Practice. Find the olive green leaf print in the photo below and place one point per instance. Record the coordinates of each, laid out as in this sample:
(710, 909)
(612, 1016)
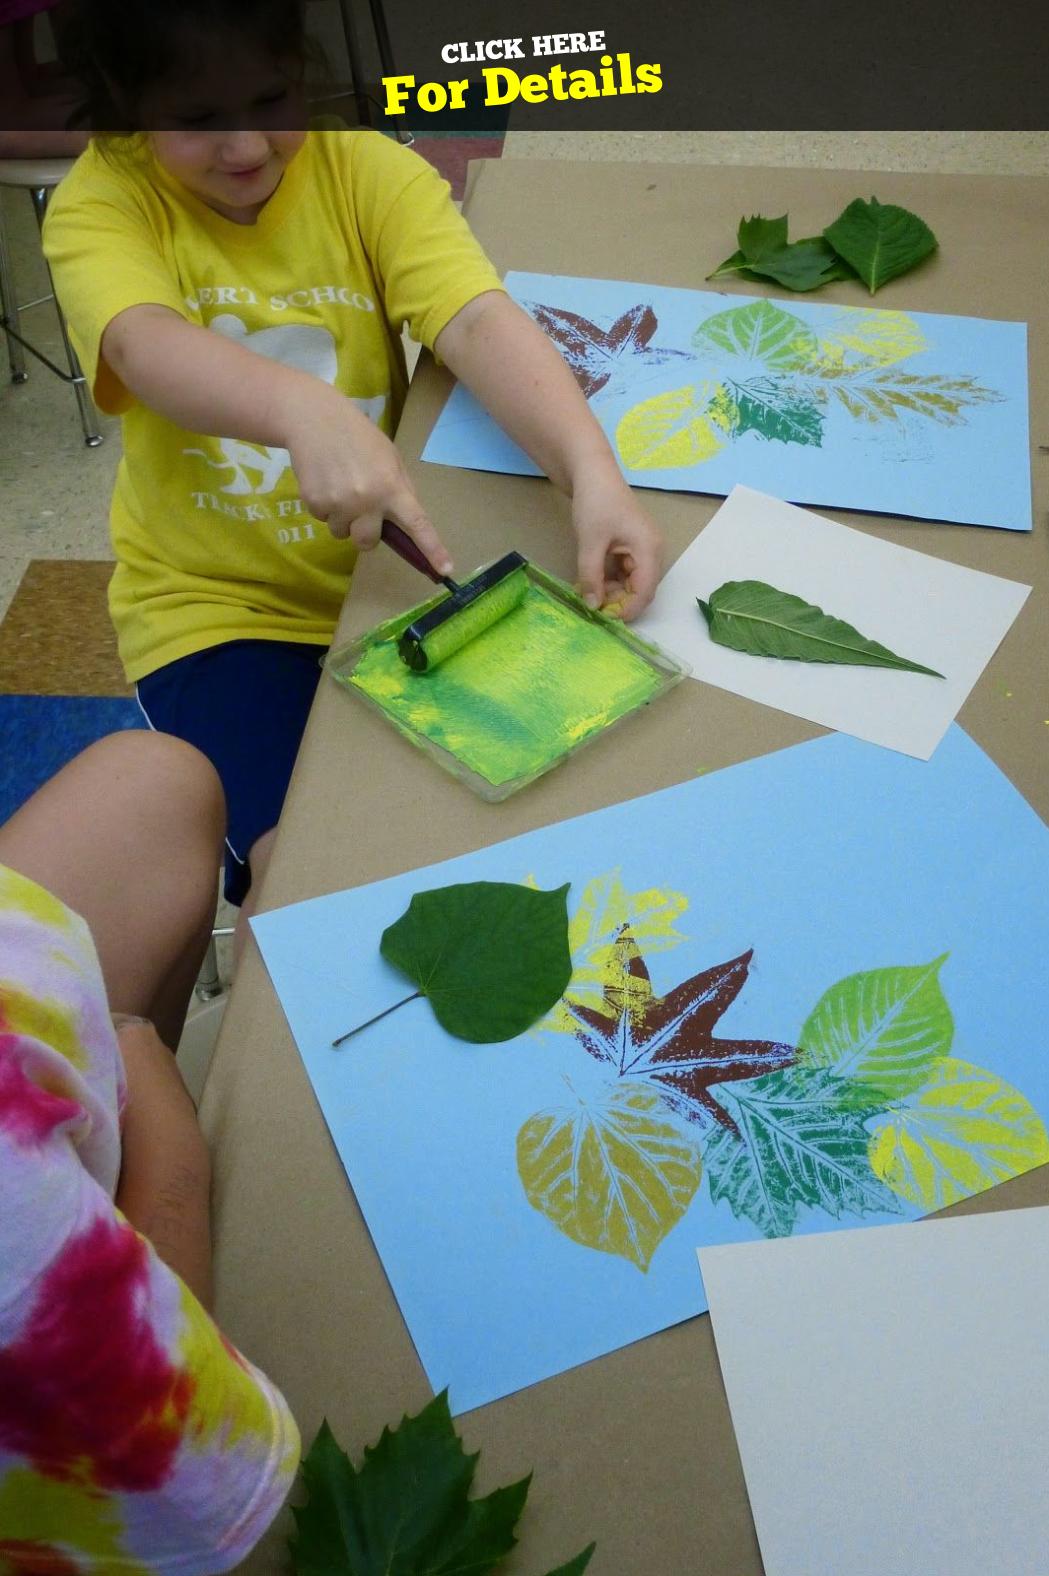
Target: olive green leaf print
(883, 1029)
(961, 1132)
(615, 1174)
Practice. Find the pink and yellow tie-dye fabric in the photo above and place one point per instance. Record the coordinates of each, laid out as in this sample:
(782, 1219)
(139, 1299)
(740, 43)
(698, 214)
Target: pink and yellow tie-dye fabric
(133, 1437)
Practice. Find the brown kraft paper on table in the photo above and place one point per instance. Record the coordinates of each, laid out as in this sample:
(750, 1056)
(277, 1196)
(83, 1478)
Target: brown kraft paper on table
(635, 1449)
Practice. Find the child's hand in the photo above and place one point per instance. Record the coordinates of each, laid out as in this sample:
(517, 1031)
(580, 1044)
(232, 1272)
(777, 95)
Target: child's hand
(351, 476)
(620, 547)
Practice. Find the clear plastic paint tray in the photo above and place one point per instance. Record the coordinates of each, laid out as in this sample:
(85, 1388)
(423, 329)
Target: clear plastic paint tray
(548, 678)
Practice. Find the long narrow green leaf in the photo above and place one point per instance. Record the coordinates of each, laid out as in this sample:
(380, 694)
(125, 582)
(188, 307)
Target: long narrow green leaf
(750, 616)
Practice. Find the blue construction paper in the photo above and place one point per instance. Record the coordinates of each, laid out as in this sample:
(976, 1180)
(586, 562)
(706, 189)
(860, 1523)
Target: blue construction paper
(829, 858)
(971, 466)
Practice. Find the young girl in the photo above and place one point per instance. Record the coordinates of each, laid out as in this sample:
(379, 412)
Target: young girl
(238, 296)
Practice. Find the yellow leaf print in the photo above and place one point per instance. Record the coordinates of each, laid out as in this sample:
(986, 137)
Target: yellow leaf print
(612, 1175)
(963, 1131)
(685, 427)
(873, 338)
(599, 963)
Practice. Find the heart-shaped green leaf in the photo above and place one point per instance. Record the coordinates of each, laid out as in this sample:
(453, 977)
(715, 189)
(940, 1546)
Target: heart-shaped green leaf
(406, 1511)
(491, 956)
(750, 616)
(880, 240)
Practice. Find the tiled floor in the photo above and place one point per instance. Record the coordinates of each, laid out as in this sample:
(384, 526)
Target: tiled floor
(54, 492)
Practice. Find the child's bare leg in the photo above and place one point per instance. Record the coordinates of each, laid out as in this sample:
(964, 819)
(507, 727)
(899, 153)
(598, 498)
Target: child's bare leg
(258, 859)
(129, 835)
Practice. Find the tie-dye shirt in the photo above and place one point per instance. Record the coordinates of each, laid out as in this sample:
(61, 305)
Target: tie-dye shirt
(133, 1437)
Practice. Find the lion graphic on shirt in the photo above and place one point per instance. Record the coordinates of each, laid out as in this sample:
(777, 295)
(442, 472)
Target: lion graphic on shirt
(306, 347)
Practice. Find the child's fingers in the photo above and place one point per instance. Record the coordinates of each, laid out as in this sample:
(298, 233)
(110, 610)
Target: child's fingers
(591, 565)
(642, 579)
(365, 530)
(406, 511)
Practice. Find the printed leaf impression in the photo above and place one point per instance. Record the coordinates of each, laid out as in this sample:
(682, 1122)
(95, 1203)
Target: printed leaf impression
(616, 1175)
(595, 353)
(762, 370)
(867, 1113)
(758, 619)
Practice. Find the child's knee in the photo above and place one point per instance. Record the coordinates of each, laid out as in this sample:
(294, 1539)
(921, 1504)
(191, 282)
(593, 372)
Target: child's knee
(166, 775)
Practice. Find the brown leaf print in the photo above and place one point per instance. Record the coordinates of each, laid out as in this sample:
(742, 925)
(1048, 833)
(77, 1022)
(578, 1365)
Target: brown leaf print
(594, 353)
(668, 1041)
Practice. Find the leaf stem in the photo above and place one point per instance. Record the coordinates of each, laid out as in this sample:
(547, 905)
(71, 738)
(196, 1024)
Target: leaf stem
(384, 1014)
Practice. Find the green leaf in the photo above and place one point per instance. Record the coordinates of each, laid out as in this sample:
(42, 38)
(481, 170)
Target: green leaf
(750, 616)
(615, 1174)
(757, 237)
(736, 264)
(491, 956)
(776, 410)
(406, 1511)
(759, 331)
(804, 265)
(880, 240)
(963, 1131)
(577, 1566)
(884, 1028)
(803, 1143)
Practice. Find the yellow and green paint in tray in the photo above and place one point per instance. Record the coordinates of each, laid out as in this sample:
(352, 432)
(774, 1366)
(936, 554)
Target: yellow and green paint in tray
(545, 679)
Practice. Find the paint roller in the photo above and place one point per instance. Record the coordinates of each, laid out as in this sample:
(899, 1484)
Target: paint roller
(467, 611)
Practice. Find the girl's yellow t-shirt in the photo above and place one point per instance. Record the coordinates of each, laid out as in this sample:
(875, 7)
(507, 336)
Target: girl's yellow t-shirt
(361, 237)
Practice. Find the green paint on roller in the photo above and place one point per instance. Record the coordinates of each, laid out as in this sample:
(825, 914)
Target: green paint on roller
(519, 695)
(465, 624)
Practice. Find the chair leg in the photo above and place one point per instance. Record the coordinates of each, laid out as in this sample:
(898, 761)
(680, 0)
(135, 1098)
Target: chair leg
(209, 983)
(9, 310)
(85, 404)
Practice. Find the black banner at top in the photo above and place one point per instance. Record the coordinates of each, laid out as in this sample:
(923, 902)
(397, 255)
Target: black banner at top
(574, 65)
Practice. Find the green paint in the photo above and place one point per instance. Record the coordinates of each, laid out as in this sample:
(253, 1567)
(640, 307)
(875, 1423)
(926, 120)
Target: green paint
(522, 695)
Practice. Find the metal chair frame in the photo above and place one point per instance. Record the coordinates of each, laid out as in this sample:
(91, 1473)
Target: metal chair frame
(11, 323)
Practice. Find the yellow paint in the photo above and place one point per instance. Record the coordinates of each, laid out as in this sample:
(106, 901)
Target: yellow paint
(963, 1131)
(601, 953)
(876, 338)
(684, 427)
(521, 695)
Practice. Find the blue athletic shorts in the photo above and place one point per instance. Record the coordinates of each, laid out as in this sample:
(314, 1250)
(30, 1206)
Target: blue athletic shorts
(244, 705)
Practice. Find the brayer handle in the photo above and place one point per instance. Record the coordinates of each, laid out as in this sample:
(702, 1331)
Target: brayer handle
(407, 548)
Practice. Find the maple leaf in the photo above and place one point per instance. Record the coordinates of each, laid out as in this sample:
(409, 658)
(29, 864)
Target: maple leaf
(406, 1510)
(594, 353)
(669, 1040)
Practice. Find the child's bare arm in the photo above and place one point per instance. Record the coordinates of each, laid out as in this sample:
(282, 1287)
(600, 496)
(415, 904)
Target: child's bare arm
(349, 473)
(165, 1176)
(508, 362)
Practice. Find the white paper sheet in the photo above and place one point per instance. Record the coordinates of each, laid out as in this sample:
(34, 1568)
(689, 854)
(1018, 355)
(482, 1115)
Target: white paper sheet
(889, 1390)
(939, 614)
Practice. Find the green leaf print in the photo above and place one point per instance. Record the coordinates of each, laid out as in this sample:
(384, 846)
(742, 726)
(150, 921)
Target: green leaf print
(883, 1028)
(761, 332)
(803, 1144)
